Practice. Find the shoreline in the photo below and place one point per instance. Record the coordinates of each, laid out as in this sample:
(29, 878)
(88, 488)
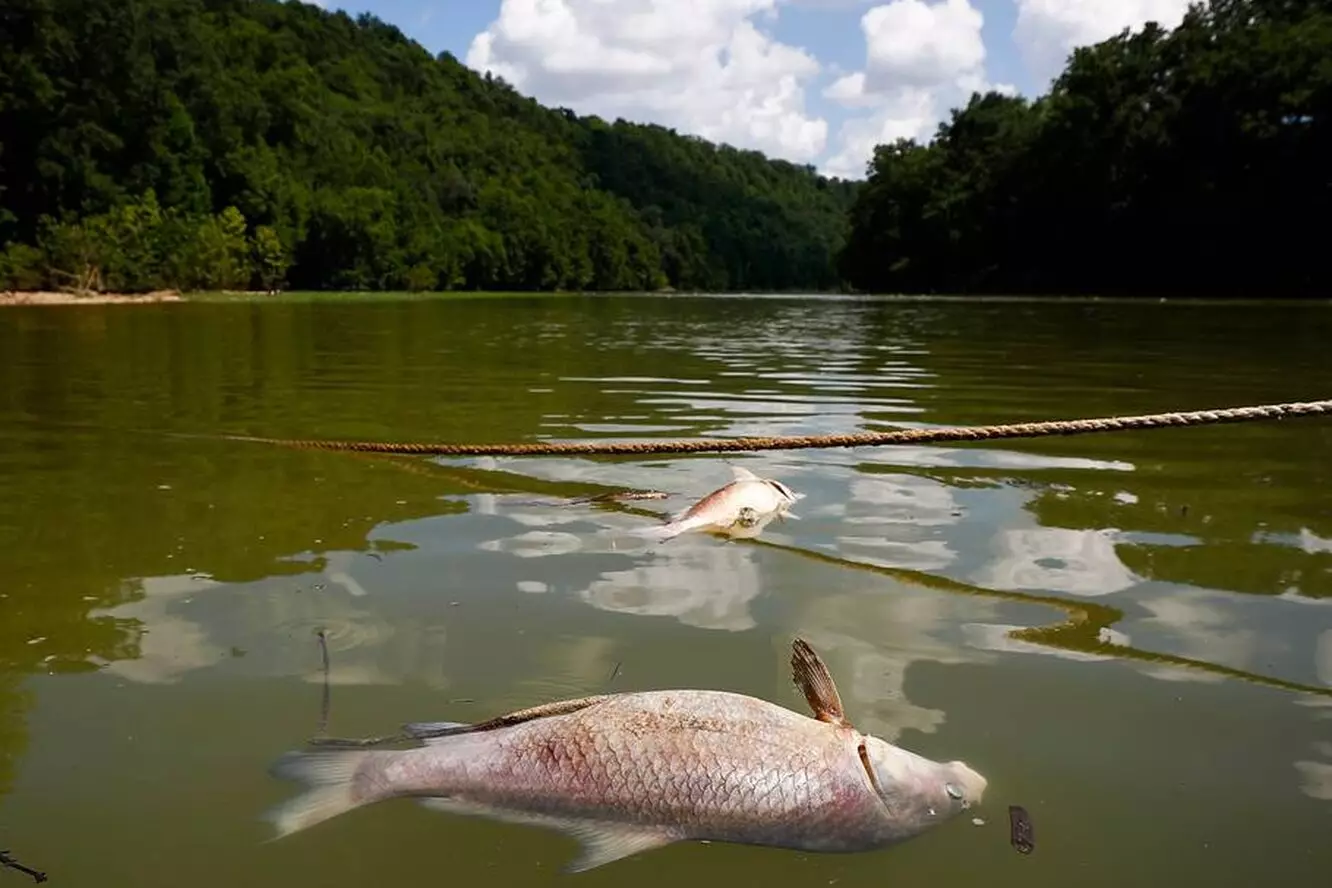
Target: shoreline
(17, 298)
(53, 297)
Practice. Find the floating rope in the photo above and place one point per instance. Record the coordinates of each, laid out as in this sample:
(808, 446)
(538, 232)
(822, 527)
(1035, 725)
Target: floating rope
(797, 442)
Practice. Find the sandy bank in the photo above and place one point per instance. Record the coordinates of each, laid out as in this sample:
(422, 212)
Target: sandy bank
(47, 297)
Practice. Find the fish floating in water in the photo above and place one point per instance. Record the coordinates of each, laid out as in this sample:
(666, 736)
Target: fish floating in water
(742, 508)
(630, 772)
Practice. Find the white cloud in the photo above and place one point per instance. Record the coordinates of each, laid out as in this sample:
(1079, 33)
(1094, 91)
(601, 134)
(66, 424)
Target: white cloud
(911, 43)
(1048, 30)
(921, 59)
(712, 68)
(702, 66)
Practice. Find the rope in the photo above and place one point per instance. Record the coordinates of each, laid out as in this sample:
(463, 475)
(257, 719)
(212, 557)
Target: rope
(863, 439)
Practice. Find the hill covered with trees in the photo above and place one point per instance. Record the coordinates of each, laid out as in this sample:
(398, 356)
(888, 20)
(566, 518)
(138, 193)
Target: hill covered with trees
(218, 144)
(232, 143)
(1196, 161)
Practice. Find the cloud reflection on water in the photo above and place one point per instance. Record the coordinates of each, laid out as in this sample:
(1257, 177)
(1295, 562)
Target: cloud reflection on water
(870, 638)
(708, 586)
(185, 622)
(1056, 559)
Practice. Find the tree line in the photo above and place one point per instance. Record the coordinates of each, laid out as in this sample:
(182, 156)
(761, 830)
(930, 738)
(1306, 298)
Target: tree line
(256, 143)
(219, 144)
(1195, 161)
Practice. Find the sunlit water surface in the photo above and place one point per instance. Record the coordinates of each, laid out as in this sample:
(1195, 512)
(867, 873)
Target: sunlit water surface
(1171, 723)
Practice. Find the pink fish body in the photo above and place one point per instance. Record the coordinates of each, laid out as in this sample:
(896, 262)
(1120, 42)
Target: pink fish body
(739, 509)
(626, 773)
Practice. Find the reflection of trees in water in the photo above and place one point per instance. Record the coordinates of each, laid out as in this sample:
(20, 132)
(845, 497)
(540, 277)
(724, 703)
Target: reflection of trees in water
(1251, 538)
(53, 631)
(14, 703)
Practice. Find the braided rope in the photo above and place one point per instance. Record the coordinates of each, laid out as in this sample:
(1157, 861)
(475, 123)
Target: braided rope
(862, 439)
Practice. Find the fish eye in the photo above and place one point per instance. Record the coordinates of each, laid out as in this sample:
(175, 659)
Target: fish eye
(953, 791)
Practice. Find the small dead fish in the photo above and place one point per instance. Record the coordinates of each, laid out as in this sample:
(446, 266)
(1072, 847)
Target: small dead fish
(739, 509)
(627, 773)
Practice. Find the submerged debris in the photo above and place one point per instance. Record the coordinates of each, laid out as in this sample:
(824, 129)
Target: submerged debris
(619, 496)
(1020, 832)
(10, 863)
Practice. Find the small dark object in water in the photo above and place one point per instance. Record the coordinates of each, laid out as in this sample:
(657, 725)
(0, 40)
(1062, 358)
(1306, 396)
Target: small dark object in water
(7, 861)
(326, 701)
(618, 496)
(1020, 830)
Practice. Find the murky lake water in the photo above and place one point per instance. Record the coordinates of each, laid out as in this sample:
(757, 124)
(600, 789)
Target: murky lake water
(160, 595)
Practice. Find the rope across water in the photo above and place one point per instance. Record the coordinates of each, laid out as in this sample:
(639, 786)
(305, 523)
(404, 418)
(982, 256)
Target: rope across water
(798, 442)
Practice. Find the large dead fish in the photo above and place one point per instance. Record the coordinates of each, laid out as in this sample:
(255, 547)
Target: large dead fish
(742, 508)
(625, 773)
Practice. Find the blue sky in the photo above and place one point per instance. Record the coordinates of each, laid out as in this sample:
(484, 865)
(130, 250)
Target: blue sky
(814, 81)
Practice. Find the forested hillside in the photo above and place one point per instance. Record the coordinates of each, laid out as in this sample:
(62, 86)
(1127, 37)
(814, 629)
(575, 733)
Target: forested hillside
(1196, 161)
(239, 143)
(254, 143)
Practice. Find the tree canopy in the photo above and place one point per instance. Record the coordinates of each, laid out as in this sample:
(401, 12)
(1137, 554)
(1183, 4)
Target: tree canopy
(1184, 162)
(233, 143)
(255, 143)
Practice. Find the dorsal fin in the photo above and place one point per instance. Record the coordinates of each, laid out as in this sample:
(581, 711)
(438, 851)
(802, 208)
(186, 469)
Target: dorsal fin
(816, 683)
(430, 730)
(740, 473)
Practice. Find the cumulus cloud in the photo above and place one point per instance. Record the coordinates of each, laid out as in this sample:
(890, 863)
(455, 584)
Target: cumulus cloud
(703, 66)
(921, 59)
(1048, 30)
(712, 67)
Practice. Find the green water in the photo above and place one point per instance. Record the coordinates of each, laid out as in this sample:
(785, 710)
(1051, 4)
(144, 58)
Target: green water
(160, 594)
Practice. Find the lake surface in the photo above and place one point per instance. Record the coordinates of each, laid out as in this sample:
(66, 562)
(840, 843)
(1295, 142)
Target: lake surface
(161, 592)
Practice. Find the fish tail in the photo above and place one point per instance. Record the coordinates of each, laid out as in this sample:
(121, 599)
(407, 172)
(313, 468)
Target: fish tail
(661, 532)
(330, 780)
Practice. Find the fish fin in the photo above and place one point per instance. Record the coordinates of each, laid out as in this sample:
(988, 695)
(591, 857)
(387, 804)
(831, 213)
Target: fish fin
(440, 732)
(816, 683)
(430, 730)
(602, 842)
(609, 842)
(740, 473)
(545, 710)
(328, 776)
(348, 582)
(660, 533)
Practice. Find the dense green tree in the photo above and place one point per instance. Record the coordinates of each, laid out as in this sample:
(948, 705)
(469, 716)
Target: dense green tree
(364, 162)
(1191, 161)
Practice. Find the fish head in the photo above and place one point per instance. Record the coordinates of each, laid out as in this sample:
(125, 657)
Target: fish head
(788, 496)
(967, 786)
(918, 793)
(749, 523)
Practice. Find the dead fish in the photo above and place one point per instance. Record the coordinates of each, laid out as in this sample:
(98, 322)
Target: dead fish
(740, 509)
(630, 772)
